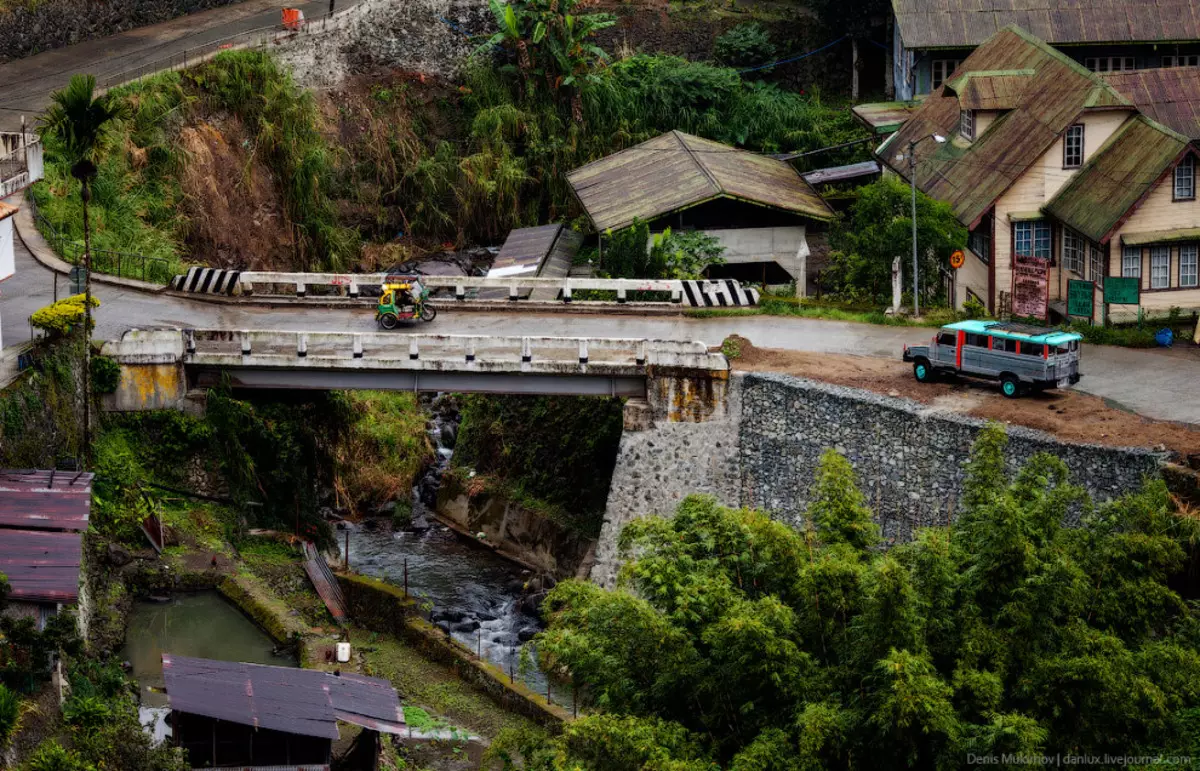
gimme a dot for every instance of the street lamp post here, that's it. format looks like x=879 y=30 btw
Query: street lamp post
x=912 y=179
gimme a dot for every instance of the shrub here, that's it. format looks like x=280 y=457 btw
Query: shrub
x=746 y=45
x=106 y=374
x=59 y=318
x=10 y=713
x=684 y=255
x=52 y=756
x=86 y=711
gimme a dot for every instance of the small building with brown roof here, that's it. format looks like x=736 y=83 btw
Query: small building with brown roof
x=1060 y=174
x=932 y=38
x=760 y=208
x=43 y=515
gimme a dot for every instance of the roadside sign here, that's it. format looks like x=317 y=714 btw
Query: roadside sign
x=1031 y=286
x=957 y=259
x=1122 y=291
x=78 y=278
x=1080 y=298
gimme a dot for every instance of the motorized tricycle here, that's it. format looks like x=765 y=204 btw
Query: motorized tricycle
x=403 y=299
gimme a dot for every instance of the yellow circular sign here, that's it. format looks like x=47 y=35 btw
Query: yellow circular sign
x=957 y=259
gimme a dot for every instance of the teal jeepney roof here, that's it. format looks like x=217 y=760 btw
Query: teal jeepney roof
x=1015 y=331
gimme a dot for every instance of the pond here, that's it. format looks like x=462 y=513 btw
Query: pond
x=205 y=625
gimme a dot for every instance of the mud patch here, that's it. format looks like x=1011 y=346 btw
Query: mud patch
x=232 y=201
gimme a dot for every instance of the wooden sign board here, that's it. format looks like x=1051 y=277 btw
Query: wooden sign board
x=1030 y=287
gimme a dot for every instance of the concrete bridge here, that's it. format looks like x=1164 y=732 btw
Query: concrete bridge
x=173 y=368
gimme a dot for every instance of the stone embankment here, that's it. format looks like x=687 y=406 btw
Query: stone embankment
x=763 y=453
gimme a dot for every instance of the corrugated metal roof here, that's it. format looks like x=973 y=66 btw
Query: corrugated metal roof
x=41 y=566
x=324 y=582
x=298 y=701
x=45 y=500
x=884 y=117
x=1116 y=177
x=1160 y=236
x=1170 y=96
x=677 y=170
x=840 y=173
x=964 y=23
x=7 y=210
x=527 y=249
x=970 y=176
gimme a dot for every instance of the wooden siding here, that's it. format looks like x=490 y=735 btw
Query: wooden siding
x=1159 y=212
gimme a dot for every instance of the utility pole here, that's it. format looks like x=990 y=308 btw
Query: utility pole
x=912 y=180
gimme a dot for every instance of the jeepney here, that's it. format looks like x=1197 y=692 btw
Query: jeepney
x=1022 y=357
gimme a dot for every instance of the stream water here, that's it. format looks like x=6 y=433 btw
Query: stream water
x=475 y=594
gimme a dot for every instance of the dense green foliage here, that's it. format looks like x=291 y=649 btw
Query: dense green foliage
x=137 y=196
x=25 y=652
x=878 y=229
x=10 y=713
x=558 y=450
x=40 y=414
x=381 y=449
x=741 y=643
x=746 y=45
x=633 y=253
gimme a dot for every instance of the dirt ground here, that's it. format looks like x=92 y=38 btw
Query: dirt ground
x=1068 y=414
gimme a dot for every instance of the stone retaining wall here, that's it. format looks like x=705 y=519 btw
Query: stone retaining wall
x=763 y=453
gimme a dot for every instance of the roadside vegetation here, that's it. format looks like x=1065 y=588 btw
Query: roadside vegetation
x=737 y=642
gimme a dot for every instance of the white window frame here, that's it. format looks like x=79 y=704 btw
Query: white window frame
x=1189 y=261
x=1181 y=60
x=1073 y=146
x=1160 y=267
x=1110 y=63
x=1131 y=262
x=940 y=71
x=1037 y=235
x=966 y=124
x=1096 y=269
x=1072 y=251
x=1185 y=179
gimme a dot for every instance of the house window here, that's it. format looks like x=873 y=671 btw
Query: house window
x=942 y=70
x=1072 y=251
x=1131 y=262
x=1096 y=260
x=1073 y=147
x=1185 y=179
x=1187 y=265
x=1160 y=267
x=1032 y=238
x=966 y=123
x=980 y=242
x=1181 y=60
x=1110 y=63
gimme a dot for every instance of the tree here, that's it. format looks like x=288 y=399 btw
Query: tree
x=879 y=228
x=736 y=642
x=77 y=121
x=856 y=19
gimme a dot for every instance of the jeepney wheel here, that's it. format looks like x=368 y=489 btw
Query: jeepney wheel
x=389 y=321
x=1010 y=386
x=428 y=312
x=922 y=371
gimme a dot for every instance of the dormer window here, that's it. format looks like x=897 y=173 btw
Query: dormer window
x=966 y=124
x=1073 y=147
x=1185 y=179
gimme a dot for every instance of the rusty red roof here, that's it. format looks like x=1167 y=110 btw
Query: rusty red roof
x=41 y=566
x=308 y=702
x=1169 y=95
x=45 y=500
x=964 y=23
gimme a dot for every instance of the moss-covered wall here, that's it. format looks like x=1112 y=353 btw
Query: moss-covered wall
x=383 y=608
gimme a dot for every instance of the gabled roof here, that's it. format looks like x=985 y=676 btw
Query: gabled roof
x=308 y=702
x=965 y=23
x=1117 y=177
x=1169 y=95
x=675 y=171
x=998 y=90
x=971 y=176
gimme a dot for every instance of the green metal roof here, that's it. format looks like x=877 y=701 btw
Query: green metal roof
x=1116 y=177
x=976 y=327
x=971 y=176
x=884 y=117
x=1161 y=236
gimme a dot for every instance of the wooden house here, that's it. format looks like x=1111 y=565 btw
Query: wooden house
x=1061 y=174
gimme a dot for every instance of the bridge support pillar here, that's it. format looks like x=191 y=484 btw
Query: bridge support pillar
x=152 y=373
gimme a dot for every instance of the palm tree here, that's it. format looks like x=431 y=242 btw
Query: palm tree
x=76 y=121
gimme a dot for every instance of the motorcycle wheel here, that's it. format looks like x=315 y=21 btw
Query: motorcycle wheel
x=389 y=321
x=428 y=312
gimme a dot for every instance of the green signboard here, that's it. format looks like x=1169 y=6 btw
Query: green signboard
x=1080 y=296
x=1121 y=291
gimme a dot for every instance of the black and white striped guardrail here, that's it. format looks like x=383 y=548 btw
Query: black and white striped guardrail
x=719 y=293
x=207 y=281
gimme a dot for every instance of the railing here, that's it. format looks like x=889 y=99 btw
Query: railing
x=20 y=161
x=156 y=270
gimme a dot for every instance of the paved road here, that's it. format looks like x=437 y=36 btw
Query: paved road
x=25 y=84
x=1158 y=384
